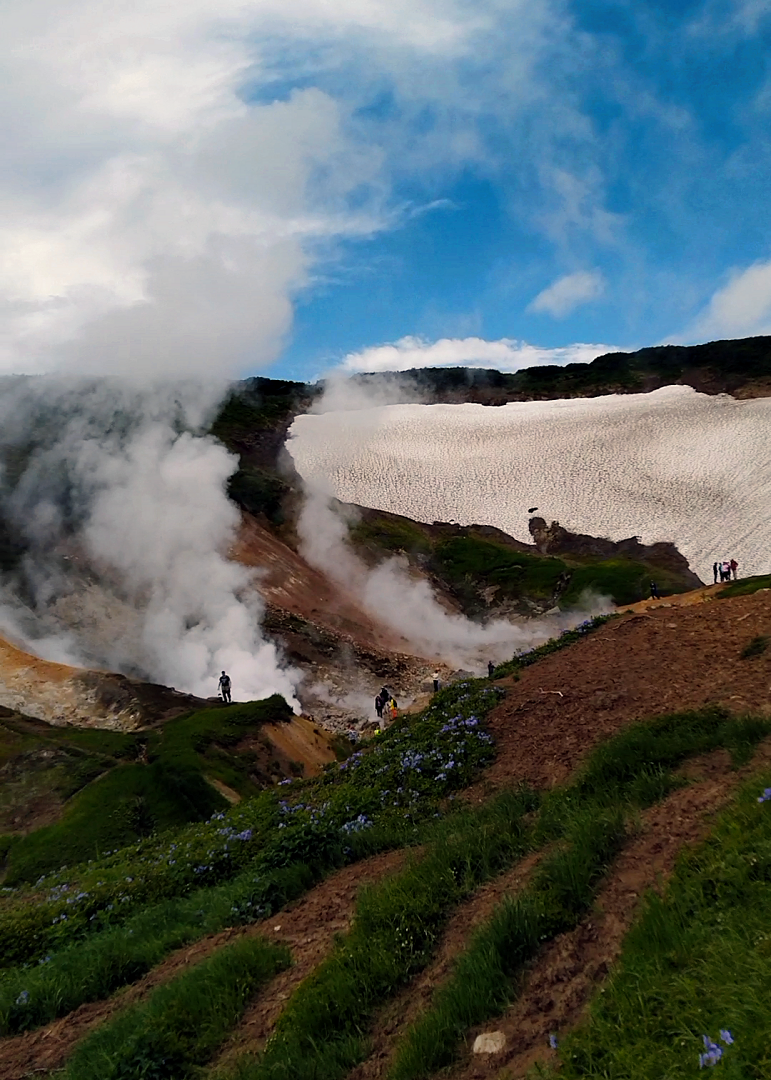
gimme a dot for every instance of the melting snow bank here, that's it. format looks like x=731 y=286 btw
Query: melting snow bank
x=672 y=465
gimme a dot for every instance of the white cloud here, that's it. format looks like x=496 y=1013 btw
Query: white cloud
x=741 y=308
x=154 y=213
x=505 y=354
x=568 y=293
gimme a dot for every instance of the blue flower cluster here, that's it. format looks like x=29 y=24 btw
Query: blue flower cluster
x=713 y=1051
x=766 y=796
x=397 y=780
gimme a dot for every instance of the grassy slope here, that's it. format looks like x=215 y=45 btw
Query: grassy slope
x=114 y=796
x=405 y=915
x=698 y=962
x=468 y=565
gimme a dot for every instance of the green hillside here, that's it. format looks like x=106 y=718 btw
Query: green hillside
x=484 y=570
x=68 y=795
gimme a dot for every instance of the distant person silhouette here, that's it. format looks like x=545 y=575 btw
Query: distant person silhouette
x=734 y=567
x=490 y=669
x=715 y=571
x=224 y=687
x=654 y=591
x=725 y=571
x=435 y=680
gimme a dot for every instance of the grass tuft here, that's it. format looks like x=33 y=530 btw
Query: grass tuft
x=756 y=647
x=183 y=1023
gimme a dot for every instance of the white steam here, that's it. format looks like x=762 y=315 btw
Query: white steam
x=122 y=506
x=408 y=605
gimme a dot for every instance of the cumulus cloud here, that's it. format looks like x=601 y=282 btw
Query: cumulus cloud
x=159 y=208
x=163 y=182
x=506 y=354
x=568 y=293
x=740 y=308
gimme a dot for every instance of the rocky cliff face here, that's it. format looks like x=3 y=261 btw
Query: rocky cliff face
x=555 y=540
x=62 y=695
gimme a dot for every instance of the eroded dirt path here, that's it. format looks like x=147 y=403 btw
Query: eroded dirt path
x=307 y=926
x=400 y=1013
x=560 y=984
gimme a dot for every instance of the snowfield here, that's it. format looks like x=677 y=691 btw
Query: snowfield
x=670 y=465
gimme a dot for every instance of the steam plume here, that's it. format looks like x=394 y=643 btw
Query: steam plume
x=118 y=498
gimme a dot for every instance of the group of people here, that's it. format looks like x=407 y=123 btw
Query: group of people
x=725 y=570
x=385 y=705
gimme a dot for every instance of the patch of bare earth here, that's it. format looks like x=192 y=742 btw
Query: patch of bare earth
x=396 y=1017
x=307 y=926
x=557 y=988
x=637 y=666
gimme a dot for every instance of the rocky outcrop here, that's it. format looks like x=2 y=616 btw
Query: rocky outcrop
x=60 y=694
x=555 y=540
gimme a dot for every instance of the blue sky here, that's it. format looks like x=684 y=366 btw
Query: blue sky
x=288 y=186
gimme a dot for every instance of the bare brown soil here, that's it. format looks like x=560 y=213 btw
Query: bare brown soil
x=308 y=927
x=640 y=665
x=400 y=1013
x=558 y=987
x=643 y=664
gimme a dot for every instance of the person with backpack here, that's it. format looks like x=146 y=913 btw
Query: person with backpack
x=224 y=687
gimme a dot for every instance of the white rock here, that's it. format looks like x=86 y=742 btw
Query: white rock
x=492 y=1042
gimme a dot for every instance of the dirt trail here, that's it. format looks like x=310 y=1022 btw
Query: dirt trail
x=566 y=974
x=307 y=927
x=401 y=1012
x=639 y=665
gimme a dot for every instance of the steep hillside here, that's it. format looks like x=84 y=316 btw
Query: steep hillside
x=60 y=694
x=68 y=794
x=510 y=916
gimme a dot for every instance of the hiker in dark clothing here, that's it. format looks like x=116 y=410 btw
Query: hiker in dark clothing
x=715 y=571
x=654 y=591
x=490 y=669
x=224 y=686
x=734 y=567
x=379 y=703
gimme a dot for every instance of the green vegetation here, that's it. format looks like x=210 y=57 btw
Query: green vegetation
x=721 y=366
x=481 y=982
x=374 y=800
x=756 y=647
x=696 y=964
x=390 y=534
x=567 y=637
x=113 y=802
x=322 y=1033
x=397 y=926
x=182 y=1024
x=259 y=491
x=95 y=967
x=745 y=587
x=469 y=563
x=630 y=771
x=483 y=573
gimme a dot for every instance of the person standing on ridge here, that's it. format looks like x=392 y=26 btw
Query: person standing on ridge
x=654 y=591
x=435 y=681
x=224 y=687
x=490 y=669
x=715 y=568
x=734 y=567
